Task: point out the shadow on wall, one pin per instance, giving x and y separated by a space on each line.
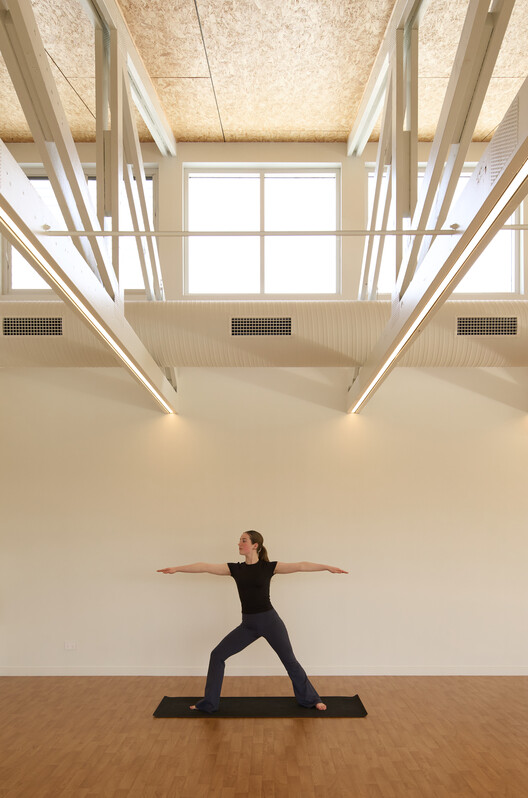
325 387
507 386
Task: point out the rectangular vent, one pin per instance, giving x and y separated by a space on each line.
263 326
487 325
32 325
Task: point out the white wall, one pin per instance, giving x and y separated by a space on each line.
422 497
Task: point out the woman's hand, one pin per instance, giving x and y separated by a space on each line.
220 569
294 567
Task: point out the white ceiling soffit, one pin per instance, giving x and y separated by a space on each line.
323 334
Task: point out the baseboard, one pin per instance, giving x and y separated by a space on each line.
166 670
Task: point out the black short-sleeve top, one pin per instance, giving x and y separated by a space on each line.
253 584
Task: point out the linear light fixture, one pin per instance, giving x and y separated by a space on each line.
480 233
34 256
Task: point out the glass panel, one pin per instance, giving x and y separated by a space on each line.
387 273
24 276
300 202
300 265
223 202
131 277
493 272
224 265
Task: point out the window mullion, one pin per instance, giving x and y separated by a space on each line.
262 240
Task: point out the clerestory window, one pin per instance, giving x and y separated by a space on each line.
20 277
246 201
498 271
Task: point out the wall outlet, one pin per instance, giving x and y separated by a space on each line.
70 646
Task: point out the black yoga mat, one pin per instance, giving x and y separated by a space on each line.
263 707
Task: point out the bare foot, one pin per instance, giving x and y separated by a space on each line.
193 707
320 706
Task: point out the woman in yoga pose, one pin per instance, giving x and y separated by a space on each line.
259 619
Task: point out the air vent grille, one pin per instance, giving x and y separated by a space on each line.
261 326
487 325
32 325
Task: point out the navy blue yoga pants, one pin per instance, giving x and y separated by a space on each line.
261 624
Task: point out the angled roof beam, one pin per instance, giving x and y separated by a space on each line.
496 188
475 59
23 217
380 206
106 14
398 148
406 15
28 66
137 197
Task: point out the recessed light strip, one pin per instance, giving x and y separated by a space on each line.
32 254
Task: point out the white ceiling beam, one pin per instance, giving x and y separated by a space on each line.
380 201
140 211
499 18
400 144
477 52
23 216
496 188
133 203
116 140
106 13
406 14
102 120
28 66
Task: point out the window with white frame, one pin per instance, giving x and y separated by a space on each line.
498 270
19 276
260 200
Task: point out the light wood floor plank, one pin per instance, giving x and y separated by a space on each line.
424 737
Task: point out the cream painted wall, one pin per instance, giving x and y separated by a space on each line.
422 497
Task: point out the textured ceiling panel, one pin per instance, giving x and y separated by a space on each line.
68 36
262 70
439 34
291 69
76 105
13 125
190 108
513 58
167 34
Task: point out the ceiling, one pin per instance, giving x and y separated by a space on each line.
262 70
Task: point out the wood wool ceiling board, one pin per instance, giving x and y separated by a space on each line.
291 70
281 70
439 35
499 97
437 50
68 38
76 104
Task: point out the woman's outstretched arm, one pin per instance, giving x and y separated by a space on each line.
219 569
294 567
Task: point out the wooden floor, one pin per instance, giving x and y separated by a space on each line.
424 737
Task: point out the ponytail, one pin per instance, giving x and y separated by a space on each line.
257 538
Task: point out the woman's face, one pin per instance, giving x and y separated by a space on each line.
245 546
